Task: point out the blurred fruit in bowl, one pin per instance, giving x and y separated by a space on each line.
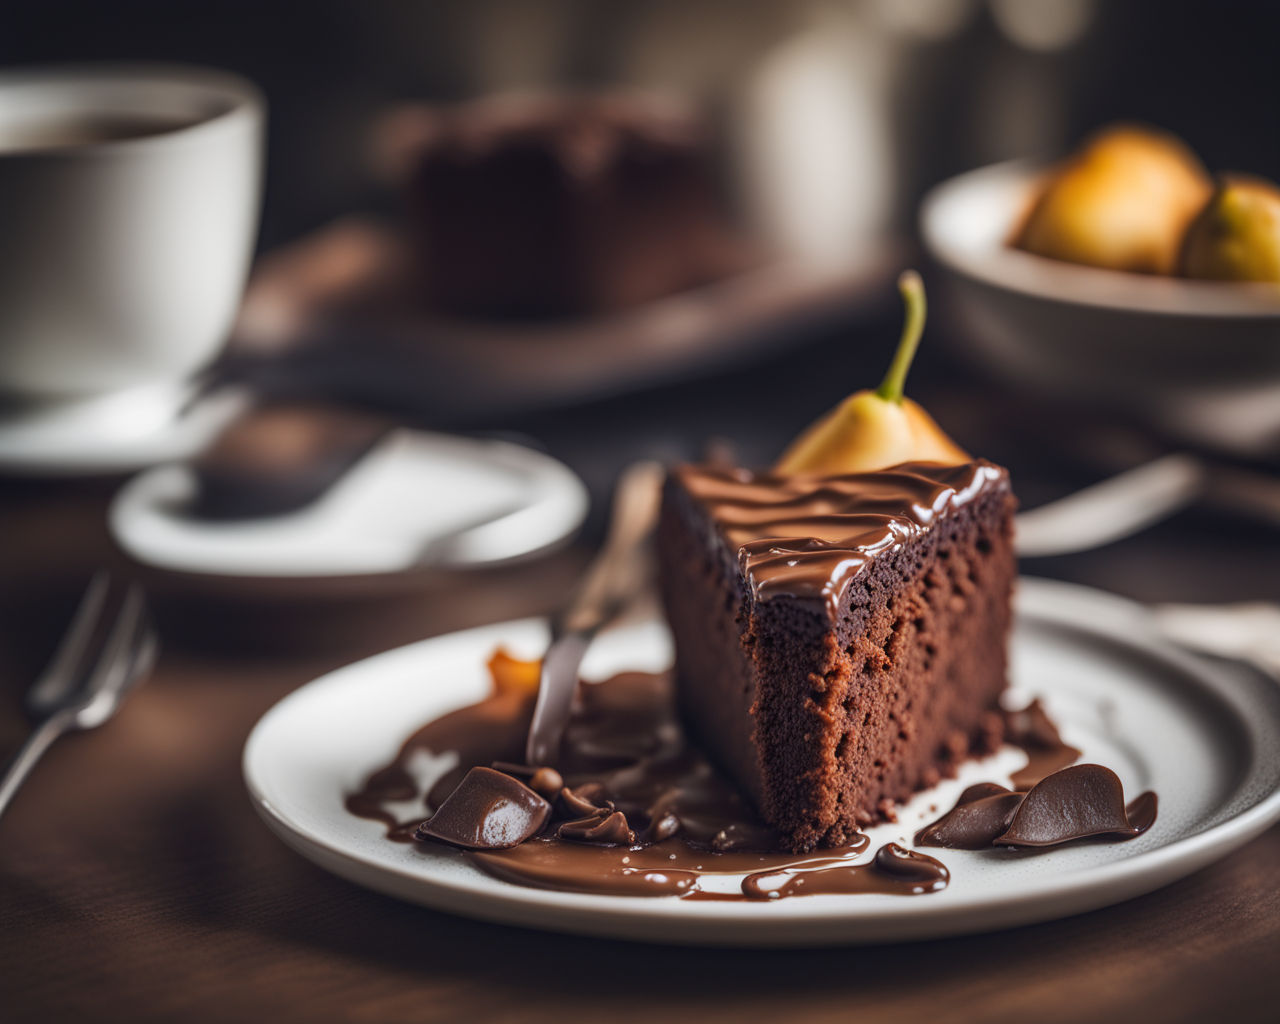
1199 358
1236 237
1122 202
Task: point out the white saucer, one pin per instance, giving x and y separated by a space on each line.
113 433
416 499
1205 737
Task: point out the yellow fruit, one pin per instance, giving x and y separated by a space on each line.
1236 237
1122 202
873 430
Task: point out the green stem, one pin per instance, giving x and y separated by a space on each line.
895 380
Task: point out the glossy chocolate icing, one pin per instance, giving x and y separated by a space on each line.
808 538
643 811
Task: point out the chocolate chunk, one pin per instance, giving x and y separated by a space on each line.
1033 731
546 782
979 790
975 821
1032 727
909 866
1084 800
584 800
661 828
488 811
612 829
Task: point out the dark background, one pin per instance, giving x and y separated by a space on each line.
136 882
1207 71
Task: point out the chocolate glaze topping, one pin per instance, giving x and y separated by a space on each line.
805 541
642 813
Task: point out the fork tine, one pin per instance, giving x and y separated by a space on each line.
59 677
126 656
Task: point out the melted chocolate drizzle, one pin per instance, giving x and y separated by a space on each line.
805 539
643 812
894 871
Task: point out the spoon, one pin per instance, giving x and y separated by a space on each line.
1111 510
1249 631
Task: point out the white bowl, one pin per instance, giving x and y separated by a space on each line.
1157 343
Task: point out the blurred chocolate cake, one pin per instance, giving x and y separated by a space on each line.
528 207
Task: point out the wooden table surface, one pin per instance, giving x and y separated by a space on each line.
137 883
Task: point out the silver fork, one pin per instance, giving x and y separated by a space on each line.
75 692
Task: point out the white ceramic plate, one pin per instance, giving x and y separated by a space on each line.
1205 736
416 499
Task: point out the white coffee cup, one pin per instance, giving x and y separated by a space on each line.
129 199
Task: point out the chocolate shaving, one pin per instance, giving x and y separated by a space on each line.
584 800
613 830
1032 727
1033 731
979 790
488 811
1084 800
973 823
661 828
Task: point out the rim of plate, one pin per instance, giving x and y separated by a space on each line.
796 923
143 523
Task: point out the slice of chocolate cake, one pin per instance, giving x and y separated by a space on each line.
840 640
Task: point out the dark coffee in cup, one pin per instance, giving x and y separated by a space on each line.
85 130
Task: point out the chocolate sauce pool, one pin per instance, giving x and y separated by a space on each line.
637 810
688 821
